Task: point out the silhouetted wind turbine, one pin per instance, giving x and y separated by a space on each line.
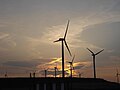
30 75
63 40
71 65
80 75
56 69
6 75
93 55
117 76
34 74
46 72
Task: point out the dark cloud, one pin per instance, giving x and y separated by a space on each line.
21 63
103 35
50 72
116 7
79 67
26 63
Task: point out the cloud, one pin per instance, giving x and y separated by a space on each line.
21 63
115 61
104 35
50 72
77 26
115 58
27 66
55 60
116 7
3 35
35 63
16 68
32 34
6 40
80 65
108 30
50 63
49 66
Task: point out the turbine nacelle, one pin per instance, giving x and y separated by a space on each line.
93 54
70 62
60 39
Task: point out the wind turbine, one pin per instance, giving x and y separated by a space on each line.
71 65
30 75
80 75
56 69
34 74
46 72
117 76
63 40
93 55
6 75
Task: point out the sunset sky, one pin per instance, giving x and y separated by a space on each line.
29 27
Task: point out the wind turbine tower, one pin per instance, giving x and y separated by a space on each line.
117 76
71 66
93 55
46 72
6 74
63 40
56 69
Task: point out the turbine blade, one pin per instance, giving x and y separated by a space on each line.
73 58
99 52
56 64
66 29
57 69
70 63
90 50
47 68
67 61
67 48
56 41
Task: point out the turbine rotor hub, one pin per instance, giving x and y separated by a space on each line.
61 39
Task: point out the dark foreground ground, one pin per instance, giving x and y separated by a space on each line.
57 84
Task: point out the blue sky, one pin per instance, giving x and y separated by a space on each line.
28 29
